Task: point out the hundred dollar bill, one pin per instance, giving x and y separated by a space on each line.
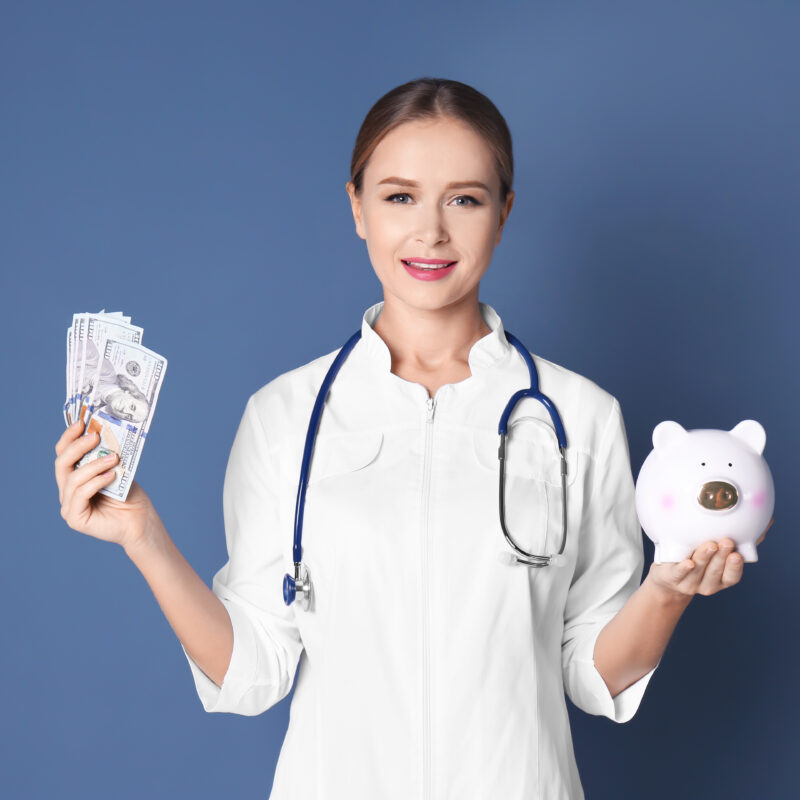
75 355
75 348
94 329
68 389
121 406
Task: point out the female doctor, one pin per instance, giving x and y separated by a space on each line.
436 660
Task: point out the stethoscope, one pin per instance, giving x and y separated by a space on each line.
301 585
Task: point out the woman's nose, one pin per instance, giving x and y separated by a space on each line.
432 226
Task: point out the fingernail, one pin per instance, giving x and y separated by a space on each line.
711 549
109 457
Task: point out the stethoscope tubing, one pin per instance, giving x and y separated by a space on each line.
311 435
301 583
533 392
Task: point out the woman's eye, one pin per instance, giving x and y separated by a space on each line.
471 200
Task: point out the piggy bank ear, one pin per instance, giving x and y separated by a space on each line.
666 432
751 433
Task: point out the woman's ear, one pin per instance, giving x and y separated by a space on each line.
355 205
504 212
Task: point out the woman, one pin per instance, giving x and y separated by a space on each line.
435 666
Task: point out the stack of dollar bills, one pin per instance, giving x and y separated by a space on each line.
112 385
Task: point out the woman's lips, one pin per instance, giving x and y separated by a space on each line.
420 260
431 273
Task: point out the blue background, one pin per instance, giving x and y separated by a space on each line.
185 163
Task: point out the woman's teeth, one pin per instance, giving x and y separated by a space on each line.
417 265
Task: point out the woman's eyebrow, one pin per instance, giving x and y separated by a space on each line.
453 185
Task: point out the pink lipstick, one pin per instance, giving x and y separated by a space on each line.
434 269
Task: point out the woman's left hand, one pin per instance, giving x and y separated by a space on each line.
711 567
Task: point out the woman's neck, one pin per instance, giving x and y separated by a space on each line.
430 342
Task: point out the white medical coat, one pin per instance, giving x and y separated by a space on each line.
432 667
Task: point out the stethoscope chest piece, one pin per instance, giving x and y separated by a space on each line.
298 587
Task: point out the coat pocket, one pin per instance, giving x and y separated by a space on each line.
333 502
533 492
341 454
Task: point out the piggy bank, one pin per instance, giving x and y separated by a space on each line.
705 484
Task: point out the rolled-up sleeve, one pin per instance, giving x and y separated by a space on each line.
608 571
266 642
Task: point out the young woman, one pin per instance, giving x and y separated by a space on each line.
435 661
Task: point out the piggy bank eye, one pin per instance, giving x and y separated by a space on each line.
729 464
702 463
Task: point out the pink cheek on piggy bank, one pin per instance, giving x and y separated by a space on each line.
759 498
667 502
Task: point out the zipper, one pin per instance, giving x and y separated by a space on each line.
431 409
426 703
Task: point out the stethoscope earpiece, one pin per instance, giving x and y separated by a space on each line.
508 559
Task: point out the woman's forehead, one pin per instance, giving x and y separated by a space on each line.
431 154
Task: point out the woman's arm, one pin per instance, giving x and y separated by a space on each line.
195 613
632 643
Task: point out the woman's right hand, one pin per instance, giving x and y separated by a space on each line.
88 512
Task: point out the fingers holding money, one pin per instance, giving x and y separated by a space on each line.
70 448
82 484
69 435
87 480
84 472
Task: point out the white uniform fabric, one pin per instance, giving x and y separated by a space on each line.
432 668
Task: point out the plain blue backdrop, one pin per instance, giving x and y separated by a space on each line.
186 162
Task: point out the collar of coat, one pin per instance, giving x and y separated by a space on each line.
487 352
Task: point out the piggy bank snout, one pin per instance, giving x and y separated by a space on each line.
718 495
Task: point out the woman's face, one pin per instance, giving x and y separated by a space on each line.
410 209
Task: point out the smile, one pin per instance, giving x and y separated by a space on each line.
428 272
428 264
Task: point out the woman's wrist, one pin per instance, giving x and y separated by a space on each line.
666 595
151 534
